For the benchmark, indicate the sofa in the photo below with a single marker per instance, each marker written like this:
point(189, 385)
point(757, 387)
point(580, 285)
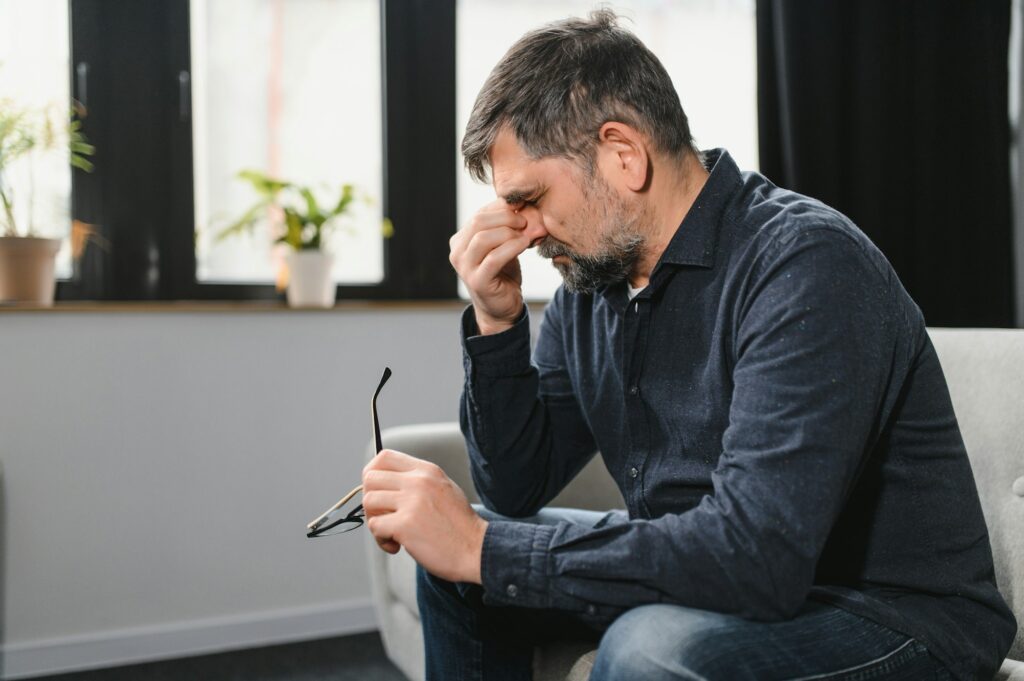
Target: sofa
point(985, 372)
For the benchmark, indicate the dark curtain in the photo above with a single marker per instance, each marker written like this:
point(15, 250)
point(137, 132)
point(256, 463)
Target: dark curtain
point(895, 113)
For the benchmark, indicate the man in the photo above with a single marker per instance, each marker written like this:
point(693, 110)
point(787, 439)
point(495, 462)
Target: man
point(760, 385)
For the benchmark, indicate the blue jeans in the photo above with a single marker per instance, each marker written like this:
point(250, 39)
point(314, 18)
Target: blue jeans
point(466, 640)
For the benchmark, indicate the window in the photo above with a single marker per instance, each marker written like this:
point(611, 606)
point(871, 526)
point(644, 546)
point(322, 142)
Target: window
point(286, 88)
point(34, 66)
point(687, 35)
point(370, 84)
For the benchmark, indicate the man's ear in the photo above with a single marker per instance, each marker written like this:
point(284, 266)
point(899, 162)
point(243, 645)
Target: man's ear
point(622, 152)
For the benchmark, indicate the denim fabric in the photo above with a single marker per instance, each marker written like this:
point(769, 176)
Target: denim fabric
point(669, 642)
point(776, 419)
point(466, 640)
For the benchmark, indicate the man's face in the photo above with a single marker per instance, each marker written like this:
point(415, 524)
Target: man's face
point(588, 230)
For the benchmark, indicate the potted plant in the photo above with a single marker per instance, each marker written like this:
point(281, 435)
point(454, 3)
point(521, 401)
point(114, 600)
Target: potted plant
point(303, 224)
point(26, 258)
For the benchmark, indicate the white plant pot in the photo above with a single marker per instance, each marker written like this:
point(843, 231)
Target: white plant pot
point(309, 279)
point(26, 270)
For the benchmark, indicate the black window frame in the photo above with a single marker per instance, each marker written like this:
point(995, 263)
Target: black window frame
point(130, 67)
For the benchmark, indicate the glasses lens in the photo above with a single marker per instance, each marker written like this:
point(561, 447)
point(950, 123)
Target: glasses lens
point(345, 519)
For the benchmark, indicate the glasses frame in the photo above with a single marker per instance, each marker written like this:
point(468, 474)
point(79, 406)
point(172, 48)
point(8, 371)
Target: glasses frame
point(355, 517)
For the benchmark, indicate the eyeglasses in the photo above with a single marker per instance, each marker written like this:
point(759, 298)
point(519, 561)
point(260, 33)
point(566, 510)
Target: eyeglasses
point(342, 517)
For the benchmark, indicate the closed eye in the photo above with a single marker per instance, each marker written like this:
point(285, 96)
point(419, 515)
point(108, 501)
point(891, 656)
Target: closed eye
point(521, 198)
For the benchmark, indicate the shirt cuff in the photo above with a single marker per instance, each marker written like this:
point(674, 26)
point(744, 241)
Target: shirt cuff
point(514, 564)
point(500, 354)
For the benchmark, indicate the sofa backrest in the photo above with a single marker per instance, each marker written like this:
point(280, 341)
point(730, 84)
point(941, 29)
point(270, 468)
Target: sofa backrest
point(985, 372)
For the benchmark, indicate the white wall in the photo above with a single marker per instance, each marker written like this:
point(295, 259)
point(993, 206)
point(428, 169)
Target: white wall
point(160, 467)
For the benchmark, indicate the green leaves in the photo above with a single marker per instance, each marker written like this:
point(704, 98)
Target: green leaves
point(347, 196)
point(24, 132)
point(304, 222)
point(266, 187)
point(79, 146)
point(16, 138)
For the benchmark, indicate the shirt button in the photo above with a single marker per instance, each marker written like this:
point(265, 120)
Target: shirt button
point(634, 390)
point(512, 590)
point(591, 610)
point(633, 472)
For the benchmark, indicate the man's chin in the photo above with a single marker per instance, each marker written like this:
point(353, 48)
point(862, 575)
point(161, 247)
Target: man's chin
point(578, 278)
point(564, 267)
point(572, 281)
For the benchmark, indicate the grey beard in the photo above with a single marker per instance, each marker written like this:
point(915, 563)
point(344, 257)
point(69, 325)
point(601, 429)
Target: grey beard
point(587, 273)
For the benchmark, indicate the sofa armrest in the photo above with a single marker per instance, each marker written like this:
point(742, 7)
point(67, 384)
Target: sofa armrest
point(392, 578)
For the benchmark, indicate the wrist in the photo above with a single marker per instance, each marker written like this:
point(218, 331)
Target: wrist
point(491, 328)
point(488, 326)
point(474, 558)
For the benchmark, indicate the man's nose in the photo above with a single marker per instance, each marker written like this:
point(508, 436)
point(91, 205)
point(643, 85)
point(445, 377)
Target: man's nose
point(534, 230)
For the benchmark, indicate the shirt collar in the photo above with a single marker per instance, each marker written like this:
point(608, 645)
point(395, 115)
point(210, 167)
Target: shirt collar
point(696, 240)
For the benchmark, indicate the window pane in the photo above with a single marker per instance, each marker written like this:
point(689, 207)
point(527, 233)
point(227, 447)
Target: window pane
point(686, 35)
point(34, 76)
point(293, 90)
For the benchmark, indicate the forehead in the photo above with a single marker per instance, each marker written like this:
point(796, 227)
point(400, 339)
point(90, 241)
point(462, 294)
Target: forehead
point(514, 173)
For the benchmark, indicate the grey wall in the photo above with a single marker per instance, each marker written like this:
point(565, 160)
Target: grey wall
point(160, 467)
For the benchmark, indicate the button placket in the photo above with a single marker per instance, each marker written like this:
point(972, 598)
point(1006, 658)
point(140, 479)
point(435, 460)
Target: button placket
point(641, 443)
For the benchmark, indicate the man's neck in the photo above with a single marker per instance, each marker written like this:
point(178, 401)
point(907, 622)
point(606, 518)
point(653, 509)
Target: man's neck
point(673, 189)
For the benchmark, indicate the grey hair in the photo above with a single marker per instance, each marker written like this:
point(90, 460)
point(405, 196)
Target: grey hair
point(557, 85)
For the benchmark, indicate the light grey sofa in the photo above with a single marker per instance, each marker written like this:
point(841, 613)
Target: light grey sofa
point(985, 371)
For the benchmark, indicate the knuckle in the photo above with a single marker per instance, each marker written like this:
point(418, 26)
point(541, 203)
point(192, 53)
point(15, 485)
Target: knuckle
point(430, 477)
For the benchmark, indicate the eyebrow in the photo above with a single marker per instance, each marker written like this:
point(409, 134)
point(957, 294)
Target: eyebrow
point(515, 196)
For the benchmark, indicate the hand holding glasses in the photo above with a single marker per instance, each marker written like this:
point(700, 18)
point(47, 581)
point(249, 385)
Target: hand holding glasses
point(343, 517)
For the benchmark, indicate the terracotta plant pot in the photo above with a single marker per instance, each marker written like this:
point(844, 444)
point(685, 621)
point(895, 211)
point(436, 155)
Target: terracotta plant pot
point(309, 279)
point(26, 270)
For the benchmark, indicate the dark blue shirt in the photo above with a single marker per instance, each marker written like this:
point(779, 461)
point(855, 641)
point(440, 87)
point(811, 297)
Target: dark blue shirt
point(776, 419)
